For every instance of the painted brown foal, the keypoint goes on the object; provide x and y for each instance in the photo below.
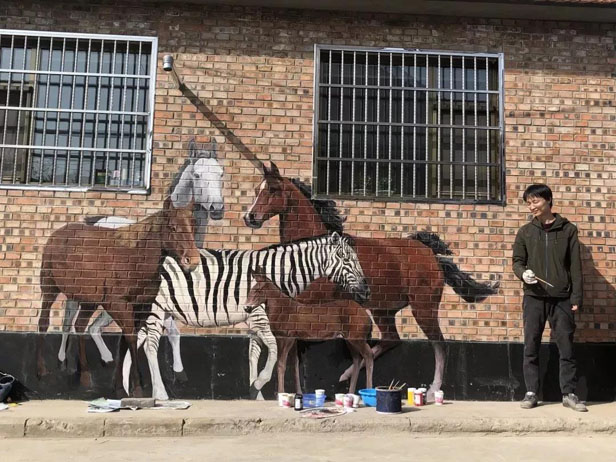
(115, 268)
(291, 320)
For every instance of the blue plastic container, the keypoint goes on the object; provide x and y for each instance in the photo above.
(368, 396)
(311, 400)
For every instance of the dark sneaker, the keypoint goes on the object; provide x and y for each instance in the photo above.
(572, 401)
(530, 401)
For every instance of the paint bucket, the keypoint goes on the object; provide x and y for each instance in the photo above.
(281, 399)
(338, 399)
(388, 401)
(289, 400)
(347, 401)
(6, 383)
(420, 397)
(410, 397)
(439, 397)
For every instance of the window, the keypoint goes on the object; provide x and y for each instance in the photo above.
(76, 111)
(408, 125)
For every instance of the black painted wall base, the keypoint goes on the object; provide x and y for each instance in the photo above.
(216, 367)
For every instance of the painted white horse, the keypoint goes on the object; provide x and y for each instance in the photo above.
(200, 180)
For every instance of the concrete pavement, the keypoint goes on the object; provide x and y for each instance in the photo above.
(59, 419)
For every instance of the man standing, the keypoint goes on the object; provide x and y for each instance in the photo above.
(546, 256)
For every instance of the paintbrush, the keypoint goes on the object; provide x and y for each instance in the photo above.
(545, 282)
(392, 382)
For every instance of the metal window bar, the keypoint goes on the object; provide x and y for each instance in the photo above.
(110, 118)
(391, 76)
(438, 131)
(122, 116)
(475, 131)
(366, 127)
(136, 108)
(378, 120)
(329, 118)
(488, 192)
(35, 80)
(59, 105)
(427, 131)
(6, 112)
(21, 96)
(414, 127)
(353, 126)
(44, 144)
(431, 129)
(464, 129)
(402, 127)
(451, 142)
(340, 125)
(70, 123)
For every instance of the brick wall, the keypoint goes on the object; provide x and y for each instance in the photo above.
(253, 71)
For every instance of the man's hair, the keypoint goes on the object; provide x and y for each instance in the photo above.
(538, 190)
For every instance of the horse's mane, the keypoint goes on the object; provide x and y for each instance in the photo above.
(332, 219)
(130, 236)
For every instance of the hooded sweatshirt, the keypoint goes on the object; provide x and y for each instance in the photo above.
(554, 256)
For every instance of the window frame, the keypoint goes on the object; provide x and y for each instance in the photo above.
(318, 48)
(148, 135)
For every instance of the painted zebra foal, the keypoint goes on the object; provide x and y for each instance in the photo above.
(215, 293)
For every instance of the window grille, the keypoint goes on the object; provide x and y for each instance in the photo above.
(76, 110)
(408, 125)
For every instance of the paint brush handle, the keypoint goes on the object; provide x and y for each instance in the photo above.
(544, 281)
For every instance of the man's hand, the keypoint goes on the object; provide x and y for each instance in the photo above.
(529, 277)
(574, 307)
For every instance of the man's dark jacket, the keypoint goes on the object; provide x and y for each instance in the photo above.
(553, 255)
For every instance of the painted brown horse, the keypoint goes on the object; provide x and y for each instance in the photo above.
(115, 268)
(290, 320)
(400, 272)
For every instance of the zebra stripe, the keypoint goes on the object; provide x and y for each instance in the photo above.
(222, 282)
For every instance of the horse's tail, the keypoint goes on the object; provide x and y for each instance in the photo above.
(462, 283)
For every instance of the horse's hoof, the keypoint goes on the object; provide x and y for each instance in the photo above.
(253, 392)
(138, 392)
(106, 363)
(62, 365)
(181, 376)
(85, 380)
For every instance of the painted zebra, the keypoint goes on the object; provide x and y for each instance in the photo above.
(214, 294)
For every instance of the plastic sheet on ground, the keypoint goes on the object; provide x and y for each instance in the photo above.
(102, 405)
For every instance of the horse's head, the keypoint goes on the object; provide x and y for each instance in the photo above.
(271, 198)
(262, 290)
(201, 181)
(178, 235)
(344, 269)
(207, 180)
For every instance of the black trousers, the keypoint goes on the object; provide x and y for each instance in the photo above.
(558, 312)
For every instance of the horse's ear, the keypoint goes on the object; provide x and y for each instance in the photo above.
(264, 169)
(274, 171)
(192, 148)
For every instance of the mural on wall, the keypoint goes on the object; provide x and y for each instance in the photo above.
(400, 272)
(270, 289)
